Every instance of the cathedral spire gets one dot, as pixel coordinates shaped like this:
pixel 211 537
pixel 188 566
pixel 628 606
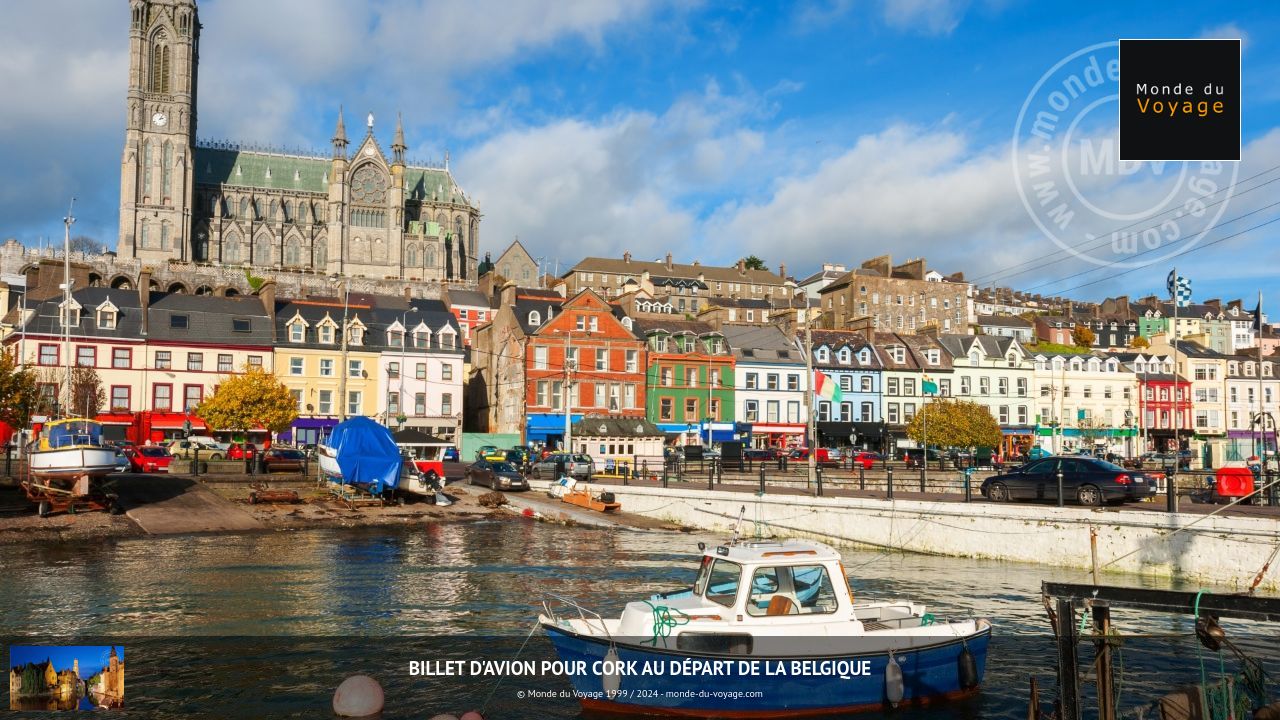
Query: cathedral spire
pixel 340 137
pixel 397 145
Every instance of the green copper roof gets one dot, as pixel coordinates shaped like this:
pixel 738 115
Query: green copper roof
pixel 265 171
pixel 429 184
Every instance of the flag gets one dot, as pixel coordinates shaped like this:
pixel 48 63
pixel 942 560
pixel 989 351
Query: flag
pixel 1179 288
pixel 1257 317
pixel 928 387
pixel 827 388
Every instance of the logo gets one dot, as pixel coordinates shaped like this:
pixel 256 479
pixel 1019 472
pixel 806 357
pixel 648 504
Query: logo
pixel 1092 204
pixel 1180 99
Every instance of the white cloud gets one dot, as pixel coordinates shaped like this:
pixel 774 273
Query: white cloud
pixel 1227 31
pixel 932 17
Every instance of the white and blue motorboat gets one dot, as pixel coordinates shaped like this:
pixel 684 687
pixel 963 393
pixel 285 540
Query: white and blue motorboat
pixel 770 629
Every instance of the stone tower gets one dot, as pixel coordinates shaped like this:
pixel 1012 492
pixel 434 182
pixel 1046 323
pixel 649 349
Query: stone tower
pixel 156 180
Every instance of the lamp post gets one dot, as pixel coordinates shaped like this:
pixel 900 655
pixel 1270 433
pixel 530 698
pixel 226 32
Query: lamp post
pixel 343 370
pixel 808 396
pixel 404 341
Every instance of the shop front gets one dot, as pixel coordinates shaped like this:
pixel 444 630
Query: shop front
pixel 777 435
pixel 546 428
pixel 1016 441
pixel 861 435
pixel 308 431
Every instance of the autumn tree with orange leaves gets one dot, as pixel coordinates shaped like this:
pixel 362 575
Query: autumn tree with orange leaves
pixel 249 400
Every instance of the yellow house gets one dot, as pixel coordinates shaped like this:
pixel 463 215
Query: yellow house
pixel 308 360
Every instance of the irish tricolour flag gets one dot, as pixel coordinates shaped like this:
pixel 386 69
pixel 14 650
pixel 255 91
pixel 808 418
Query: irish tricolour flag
pixel 827 388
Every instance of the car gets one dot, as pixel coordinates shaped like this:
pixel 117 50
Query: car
pixel 241 451
pixel 1038 453
pixel 1086 480
pixel 866 459
pixel 913 456
pixel 281 459
pixel 760 454
pixel 149 459
pixel 122 461
pixel 579 466
pixel 491 452
pixel 518 456
pixel 208 443
pixel 824 457
pixel 450 454
pixel 187 449
pixel 496 475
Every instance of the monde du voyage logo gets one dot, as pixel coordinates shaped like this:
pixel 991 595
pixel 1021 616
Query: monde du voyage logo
pixel 1180 100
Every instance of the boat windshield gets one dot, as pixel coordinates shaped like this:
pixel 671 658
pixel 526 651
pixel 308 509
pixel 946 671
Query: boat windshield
pixel 75 432
pixel 718 581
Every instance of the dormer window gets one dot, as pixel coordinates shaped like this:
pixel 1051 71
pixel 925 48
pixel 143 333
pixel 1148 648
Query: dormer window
pixel 355 336
pixel 864 357
pixel 421 339
pixel 823 355
pixel 931 356
pixel 626 323
pixel 535 319
pixel 395 337
pixel 845 356
pixel 179 322
pixel 448 339
pixel 975 357
pixel 106 319
pixel 898 353
pixel 298 332
pixel 326 333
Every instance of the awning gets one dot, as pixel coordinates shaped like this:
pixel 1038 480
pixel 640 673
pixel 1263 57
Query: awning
pixel 777 429
pixel 552 423
pixel 314 423
pixel 176 421
pixel 115 418
pixel 678 428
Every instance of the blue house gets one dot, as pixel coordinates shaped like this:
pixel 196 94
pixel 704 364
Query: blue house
pixel 849 359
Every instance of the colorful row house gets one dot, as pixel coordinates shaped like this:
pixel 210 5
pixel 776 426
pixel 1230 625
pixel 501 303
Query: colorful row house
pixel 690 381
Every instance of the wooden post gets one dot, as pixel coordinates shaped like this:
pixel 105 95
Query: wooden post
pixel 1068 679
pixel 1106 682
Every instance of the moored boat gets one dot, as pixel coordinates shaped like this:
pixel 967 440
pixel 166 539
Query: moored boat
pixel 768 630
pixel 71 449
pixel 361 453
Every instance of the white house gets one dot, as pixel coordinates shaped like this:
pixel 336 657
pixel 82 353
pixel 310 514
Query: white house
pixel 420 383
pixel 769 384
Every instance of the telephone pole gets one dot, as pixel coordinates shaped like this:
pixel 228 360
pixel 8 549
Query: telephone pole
pixel 808 396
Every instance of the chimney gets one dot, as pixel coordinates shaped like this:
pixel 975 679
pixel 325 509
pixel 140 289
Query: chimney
pixel 267 294
pixel 508 296
pixel 882 265
pixel 144 298
pixel 669 265
pixel 742 267
pixel 626 257
pixel 782 270
pixel 913 269
pixel 1215 303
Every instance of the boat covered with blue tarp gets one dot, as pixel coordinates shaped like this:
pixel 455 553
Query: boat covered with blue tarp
pixel 361 452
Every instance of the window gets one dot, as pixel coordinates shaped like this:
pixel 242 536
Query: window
pixel 908 412
pixel 48 355
pixel 1126 392
pixel 241 325
pixel 393 403
pixel 690 408
pixel 355 368
pixel 355 336
pixel 326 402
pixel 846 383
pixel 893 386
pixel 395 338
pixel 865 384
pixel 163 360
pixel 753 381
pixel 87 356
pixel 540 358
pixel 713 408
pixel 691 377
pixel 393 369
pixel 668 376
pixel 666 408
pixel 106 319
pixel 119 397
pixel 420 404
pixel 944 387
pixel 1002 386
pixel 1004 415
pixel 964 385
pixel 195 362
pixel 540 394
pixel 353 402
pixel 793 381
pixel 178 322
pixel 297 400
pixel 752 410
pixel 1088 391
pixel 326 335
pixel 768 593
pixel 867 412
pixel 892 414
pixel 633 361
pixel 1022 414
pixel 1022 387
pixel 984 386
pixel 191 396
pixel 326 367
pixel 602 358
pixel 162 397
pixel 908 386
pixel 225 363
pixel 629 395
pixel 771 381
pixel 446 372
pixel 581 321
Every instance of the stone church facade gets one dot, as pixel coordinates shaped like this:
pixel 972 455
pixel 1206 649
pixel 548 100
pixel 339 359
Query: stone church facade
pixel 358 212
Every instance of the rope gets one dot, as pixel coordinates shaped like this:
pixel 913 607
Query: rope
pixel 489 697
pixel 664 621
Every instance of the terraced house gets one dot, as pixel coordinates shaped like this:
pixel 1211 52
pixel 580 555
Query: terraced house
pixel 1087 402
pixel 690 380
pixel 908 360
pixel 770 382
pixel 850 360
pixel 995 372
pixel 420 373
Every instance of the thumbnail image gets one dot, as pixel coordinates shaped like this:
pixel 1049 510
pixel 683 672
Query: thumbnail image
pixel 66 677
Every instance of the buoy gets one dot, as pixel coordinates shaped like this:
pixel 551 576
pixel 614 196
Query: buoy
pixel 893 682
pixel 527 512
pixel 472 715
pixel 611 680
pixel 968 668
pixel 358 696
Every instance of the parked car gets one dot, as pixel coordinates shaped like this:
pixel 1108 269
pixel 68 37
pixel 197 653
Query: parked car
pixel 1038 453
pixel 578 466
pixel 187 449
pixel 278 459
pixel 1086 480
pixel 825 457
pixel 760 454
pixel 122 461
pixel 491 452
pixel 518 456
pixel 149 459
pixel 496 475
pixel 866 459
pixel 450 454
pixel 241 451
pixel 913 456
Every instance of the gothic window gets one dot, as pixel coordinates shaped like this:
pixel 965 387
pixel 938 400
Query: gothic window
pixel 164 235
pixel 244 208
pixel 201 247
pixel 262 251
pixel 302 211
pixel 287 211
pixel 293 253
pixel 369 185
pixel 231 248
pixel 255 210
pixel 143 240
pixel 457 231
pixel 214 208
pixel 273 210
pixel 148 156
pixel 443 222
pixel 321 253
pixel 411 255
pixel 431 256
pixel 166 171
pixel 159 80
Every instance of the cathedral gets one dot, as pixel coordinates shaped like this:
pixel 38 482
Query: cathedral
pixel 357 212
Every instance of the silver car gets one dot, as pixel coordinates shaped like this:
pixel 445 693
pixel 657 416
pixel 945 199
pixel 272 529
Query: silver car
pixel 578 466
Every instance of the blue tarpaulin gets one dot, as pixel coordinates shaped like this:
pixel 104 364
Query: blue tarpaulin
pixel 367 454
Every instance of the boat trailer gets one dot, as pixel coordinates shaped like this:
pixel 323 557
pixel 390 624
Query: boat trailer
pixel 83 495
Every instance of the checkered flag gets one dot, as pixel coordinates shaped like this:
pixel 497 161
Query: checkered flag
pixel 1179 289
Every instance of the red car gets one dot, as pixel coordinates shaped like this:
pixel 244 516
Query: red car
pixel 148 459
pixel 240 451
pixel 866 459
pixel 825 457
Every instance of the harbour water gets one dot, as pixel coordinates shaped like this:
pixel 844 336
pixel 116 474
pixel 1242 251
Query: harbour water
pixel 266 625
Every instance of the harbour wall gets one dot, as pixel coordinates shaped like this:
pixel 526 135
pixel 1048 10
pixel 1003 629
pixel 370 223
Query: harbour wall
pixel 1220 550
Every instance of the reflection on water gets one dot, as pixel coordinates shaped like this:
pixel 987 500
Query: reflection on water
pixel 51 703
pixel 271 623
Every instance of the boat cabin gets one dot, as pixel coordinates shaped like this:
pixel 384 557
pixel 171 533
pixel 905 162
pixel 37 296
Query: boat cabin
pixel 70 433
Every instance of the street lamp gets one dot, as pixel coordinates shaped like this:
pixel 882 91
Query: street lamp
pixel 404 341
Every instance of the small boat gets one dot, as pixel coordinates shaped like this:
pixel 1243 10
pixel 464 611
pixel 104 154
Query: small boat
pixel 567 490
pixel 360 453
pixel 770 629
pixel 72 449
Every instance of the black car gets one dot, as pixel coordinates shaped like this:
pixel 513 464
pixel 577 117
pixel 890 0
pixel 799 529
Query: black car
pixel 760 454
pixel 1086 480
pixel 496 475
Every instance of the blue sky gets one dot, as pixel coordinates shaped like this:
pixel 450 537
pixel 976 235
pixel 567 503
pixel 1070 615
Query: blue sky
pixel 801 132
pixel 92 657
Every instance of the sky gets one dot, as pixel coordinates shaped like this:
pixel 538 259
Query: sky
pixel 92 657
pixel 802 132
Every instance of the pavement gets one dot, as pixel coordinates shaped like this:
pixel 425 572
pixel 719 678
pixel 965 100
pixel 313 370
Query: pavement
pixel 170 505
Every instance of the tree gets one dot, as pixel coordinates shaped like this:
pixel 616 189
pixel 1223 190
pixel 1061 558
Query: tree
pixel 1082 336
pixel 19 389
pixel 252 399
pixel 955 423
pixel 1139 342
pixel 87 396
pixel 87 245
pixel 751 262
